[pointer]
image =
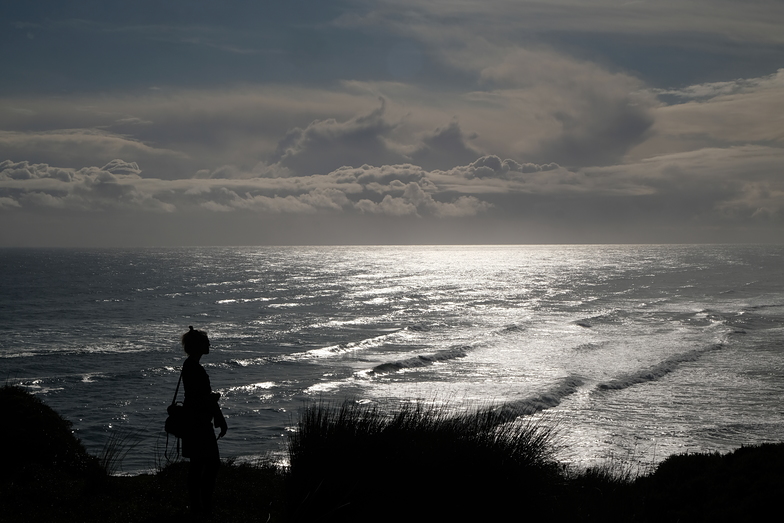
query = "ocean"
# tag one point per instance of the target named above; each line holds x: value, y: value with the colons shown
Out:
x: 634, y: 352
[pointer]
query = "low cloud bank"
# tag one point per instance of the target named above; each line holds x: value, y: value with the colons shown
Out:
x: 735, y: 187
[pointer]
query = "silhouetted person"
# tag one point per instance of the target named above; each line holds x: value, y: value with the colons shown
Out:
x: 201, y: 404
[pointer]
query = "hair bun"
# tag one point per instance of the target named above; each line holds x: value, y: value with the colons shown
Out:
x: 190, y: 327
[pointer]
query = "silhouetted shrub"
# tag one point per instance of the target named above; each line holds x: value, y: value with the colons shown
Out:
x: 739, y: 486
x: 37, y: 435
x: 355, y: 462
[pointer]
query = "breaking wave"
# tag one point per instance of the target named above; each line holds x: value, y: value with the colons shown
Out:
x: 549, y: 398
x: 342, y: 348
x: 656, y: 372
x: 421, y: 360
x: 511, y: 329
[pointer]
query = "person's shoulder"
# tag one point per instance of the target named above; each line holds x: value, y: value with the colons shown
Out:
x: 192, y: 366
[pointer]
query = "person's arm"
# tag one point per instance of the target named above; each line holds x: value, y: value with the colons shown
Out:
x: 219, y: 421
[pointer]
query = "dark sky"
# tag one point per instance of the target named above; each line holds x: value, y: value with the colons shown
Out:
x: 377, y: 122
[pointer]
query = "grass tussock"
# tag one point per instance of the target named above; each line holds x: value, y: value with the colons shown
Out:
x: 118, y: 444
x: 349, y: 460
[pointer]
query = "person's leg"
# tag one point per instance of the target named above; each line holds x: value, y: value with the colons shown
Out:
x: 195, y: 474
x: 209, y: 475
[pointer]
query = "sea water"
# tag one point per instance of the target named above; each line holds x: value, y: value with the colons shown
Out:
x: 633, y: 352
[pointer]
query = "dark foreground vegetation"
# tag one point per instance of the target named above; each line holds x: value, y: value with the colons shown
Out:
x: 356, y: 463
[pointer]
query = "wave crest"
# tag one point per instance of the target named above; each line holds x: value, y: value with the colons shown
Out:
x: 656, y: 372
x: 549, y: 398
x: 422, y: 360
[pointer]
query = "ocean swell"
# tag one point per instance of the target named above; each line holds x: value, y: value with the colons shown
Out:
x: 551, y: 397
x: 421, y: 360
x: 654, y: 373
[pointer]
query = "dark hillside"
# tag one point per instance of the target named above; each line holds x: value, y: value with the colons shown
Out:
x: 351, y: 463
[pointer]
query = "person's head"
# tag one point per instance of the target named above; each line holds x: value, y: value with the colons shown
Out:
x: 195, y: 342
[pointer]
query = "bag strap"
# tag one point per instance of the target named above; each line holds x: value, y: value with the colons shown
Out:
x: 174, y: 401
x: 177, y: 390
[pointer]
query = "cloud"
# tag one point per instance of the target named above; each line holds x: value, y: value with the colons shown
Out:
x: 735, y: 185
x: 493, y: 167
x: 737, y: 21
x: 444, y: 148
x: 717, y: 115
x: 172, y: 132
x: 501, y: 115
x: 118, y: 166
x: 415, y: 200
x: 395, y: 190
x: 390, y: 206
x: 27, y: 171
x: 530, y: 105
x: 715, y: 184
x: 372, y: 138
x: 325, y: 145
x: 727, y: 194
x: 710, y: 90
x: 258, y: 203
x: 73, y: 147
x: 587, y: 115
x: 224, y: 133
x: 7, y: 203
x: 88, y: 189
